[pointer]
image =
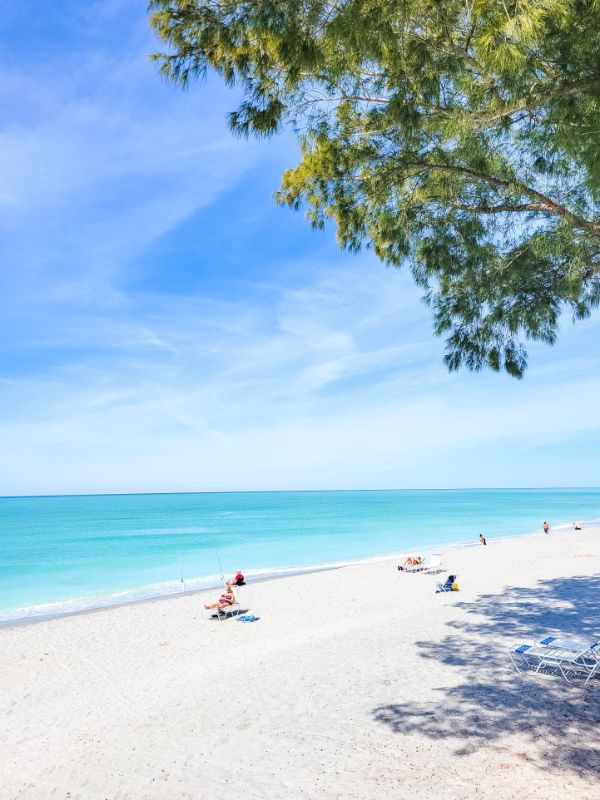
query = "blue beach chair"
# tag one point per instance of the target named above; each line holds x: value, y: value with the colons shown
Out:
x: 446, y: 587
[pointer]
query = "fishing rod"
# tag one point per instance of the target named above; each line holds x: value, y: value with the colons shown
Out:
x: 220, y: 567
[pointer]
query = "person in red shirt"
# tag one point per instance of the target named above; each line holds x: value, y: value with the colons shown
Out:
x: 238, y: 579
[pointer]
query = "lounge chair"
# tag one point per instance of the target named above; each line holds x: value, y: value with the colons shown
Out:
x: 446, y: 587
x: 433, y: 563
x: 430, y: 563
x: 593, y: 671
x: 227, y: 611
x: 233, y: 609
x: 567, y: 656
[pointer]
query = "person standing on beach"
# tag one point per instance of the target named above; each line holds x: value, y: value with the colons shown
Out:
x: 546, y: 527
x: 482, y: 538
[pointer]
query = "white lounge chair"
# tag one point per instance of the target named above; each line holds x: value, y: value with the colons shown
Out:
x: 233, y: 609
x: 595, y: 670
x: 562, y: 654
x: 586, y: 654
x: 434, y: 563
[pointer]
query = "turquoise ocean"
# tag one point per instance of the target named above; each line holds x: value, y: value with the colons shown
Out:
x: 60, y: 554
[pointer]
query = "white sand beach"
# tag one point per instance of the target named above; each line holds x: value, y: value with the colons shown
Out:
x: 355, y: 683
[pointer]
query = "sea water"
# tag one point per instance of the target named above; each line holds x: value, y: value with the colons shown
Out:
x: 59, y: 554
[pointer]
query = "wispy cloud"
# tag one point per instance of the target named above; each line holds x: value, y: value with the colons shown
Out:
x: 201, y: 402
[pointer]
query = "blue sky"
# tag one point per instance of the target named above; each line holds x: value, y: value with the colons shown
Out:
x: 165, y: 326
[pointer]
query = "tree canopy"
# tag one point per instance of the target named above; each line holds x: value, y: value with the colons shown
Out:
x: 458, y: 137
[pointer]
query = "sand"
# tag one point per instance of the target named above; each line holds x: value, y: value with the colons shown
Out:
x: 356, y: 683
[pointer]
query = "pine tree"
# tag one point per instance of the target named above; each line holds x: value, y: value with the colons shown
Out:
x: 459, y: 138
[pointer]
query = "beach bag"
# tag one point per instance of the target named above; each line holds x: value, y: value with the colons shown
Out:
x: 454, y: 587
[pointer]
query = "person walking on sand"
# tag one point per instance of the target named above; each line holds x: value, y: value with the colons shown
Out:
x: 482, y: 538
x: 546, y: 527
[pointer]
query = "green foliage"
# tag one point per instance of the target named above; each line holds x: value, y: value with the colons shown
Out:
x: 457, y: 137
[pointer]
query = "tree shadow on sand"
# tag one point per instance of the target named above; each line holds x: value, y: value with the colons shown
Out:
x: 560, y: 722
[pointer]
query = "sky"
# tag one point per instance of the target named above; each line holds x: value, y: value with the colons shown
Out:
x: 165, y: 326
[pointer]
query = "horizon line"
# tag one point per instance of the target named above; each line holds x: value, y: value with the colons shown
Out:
x: 295, y: 491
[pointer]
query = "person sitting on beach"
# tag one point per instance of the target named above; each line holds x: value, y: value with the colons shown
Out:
x: 576, y: 526
x: 238, y: 579
x: 546, y: 527
x: 482, y: 538
x: 226, y: 599
x: 410, y: 561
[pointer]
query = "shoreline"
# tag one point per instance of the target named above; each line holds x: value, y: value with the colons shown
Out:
x: 116, y: 600
x: 23, y: 621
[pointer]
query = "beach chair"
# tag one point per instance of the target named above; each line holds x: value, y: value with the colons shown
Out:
x: 433, y: 563
x: 233, y: 609
x: 593, y: 671
x: 566, y: 656
x: 585, y: 654
x: 446, y: 587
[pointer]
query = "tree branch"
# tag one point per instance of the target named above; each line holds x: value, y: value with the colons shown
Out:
x: 544, y: 203
x: 502, y: 208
